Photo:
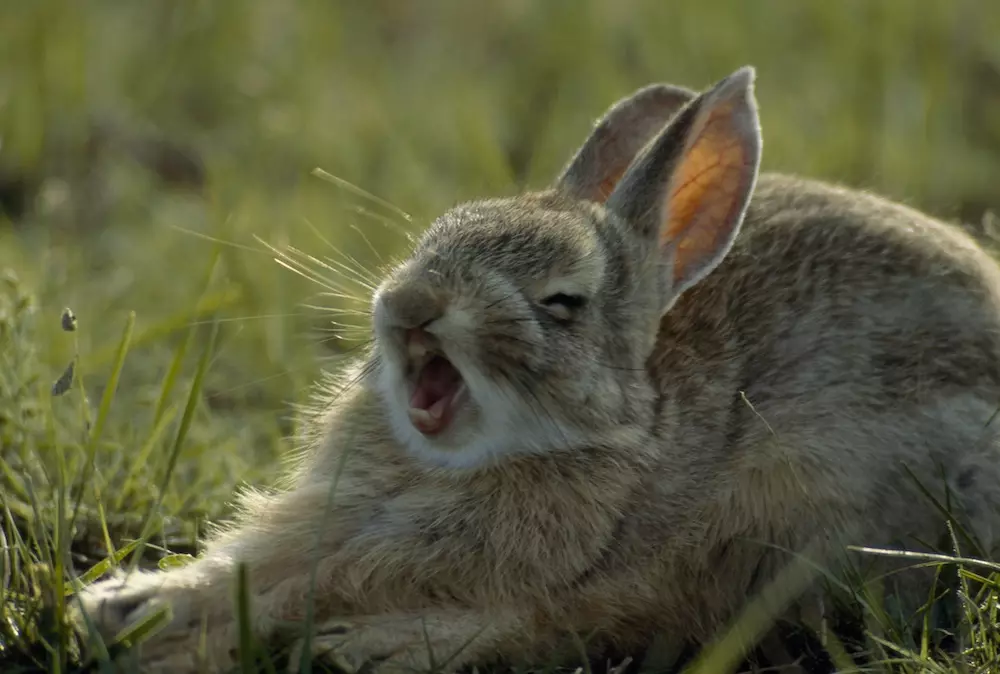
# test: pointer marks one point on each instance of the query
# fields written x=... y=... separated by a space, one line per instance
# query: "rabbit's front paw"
x=185 y=643
x=114 y=604
x=192 y=600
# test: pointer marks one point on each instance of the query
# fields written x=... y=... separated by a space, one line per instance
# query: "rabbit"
x=615 y=408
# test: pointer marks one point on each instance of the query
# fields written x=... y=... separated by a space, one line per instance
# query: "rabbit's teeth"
x=437 y=409
x=438 y=416
x=421 y=419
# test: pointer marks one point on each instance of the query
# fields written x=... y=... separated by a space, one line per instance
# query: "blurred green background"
x=138 y=140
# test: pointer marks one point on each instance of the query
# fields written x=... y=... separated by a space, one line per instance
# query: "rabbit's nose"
x=407 y=307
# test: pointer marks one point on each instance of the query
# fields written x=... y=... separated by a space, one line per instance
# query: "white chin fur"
x=504 y=427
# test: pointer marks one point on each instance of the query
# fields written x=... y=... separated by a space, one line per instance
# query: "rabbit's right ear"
x=618 y=137
x=688 y=191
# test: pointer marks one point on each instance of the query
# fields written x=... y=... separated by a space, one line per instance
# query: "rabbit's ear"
x=690 y=188
x=618 y=137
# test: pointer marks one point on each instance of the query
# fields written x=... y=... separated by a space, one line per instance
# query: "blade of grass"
x=185 y=425
x=945 y=510
x=929 y=557
x=61 y=552
x=135 y=634
x=207 y=306
x=13 y=481
x=140 y=461
x=102 y=413
x=102 y=567
x=170 y=380
x=756 y=619
x=102 y=518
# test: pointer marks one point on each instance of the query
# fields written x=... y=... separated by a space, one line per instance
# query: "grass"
x=192 y=346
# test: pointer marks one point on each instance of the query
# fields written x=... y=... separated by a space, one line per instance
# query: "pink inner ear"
x=708 y=191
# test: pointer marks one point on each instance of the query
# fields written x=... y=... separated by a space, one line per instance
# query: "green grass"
x=193 y=346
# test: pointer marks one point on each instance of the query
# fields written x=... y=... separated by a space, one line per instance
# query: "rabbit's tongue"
x=432 y=402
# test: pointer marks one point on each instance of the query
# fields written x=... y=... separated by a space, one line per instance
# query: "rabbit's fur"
x=657 y=413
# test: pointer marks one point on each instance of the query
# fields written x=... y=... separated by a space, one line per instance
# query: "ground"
x=151 y=154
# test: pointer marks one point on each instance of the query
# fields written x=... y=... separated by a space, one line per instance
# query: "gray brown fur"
x=635 y=489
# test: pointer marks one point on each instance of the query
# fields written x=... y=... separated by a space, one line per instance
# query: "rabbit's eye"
x=563 y=306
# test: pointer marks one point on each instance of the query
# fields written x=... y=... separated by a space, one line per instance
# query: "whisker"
x=338 y=295
x=345 y=326
x=214 y=239
x=326 y=337
x=296 y=266
x=375 y=252
x=363 y=278
x=334 y=311
x=354 y=348
x=385 y=222
x=345 y=273
x=255 y=382
x=342 y=342
x=263 y=380
x=366 y=371
x=304 y=273
x=234 y=319
x=351 y=187
x=310 y=339
x=358 y=269
x=358 y=275
x=332 y=291
x=318 y=234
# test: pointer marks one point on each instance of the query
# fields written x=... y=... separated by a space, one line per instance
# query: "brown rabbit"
x=614 y=408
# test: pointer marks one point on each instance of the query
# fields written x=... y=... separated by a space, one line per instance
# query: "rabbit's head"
x=523 y=325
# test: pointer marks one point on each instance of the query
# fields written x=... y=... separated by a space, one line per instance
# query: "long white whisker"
x=309 y=274
x=336 y=312
x=357 y=229
x=333 y=292
x=214 y=239
x=352 y=265
x=344 y=270
x=292 y=251
x=235 y=319
x=385 y=222
x=351 y=187
x=355 y=268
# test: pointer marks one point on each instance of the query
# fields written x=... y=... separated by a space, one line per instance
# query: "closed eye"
x=563 y=306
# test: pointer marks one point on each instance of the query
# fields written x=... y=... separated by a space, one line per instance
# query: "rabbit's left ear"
x=595 y=169
x=689 y=190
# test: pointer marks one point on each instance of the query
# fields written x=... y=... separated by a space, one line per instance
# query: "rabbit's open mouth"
x=437 y=392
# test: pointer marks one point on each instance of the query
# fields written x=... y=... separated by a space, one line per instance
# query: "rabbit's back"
x=845 y=346
x=834 y=288
x=847 y=289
